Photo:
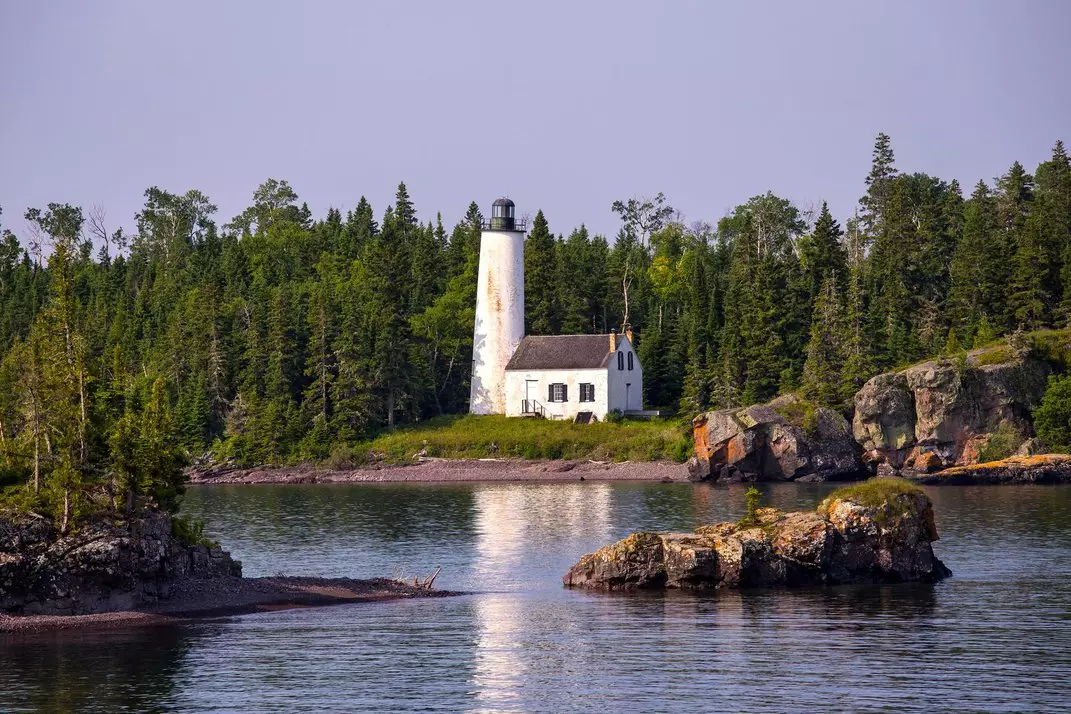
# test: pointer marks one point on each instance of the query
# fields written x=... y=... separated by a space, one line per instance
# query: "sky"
x=563 y=106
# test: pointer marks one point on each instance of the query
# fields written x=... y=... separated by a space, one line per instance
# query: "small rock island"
x=878 y=531
x=149 y=568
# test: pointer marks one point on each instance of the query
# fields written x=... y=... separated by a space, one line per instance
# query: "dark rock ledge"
x=137 y=571
x=867 y=534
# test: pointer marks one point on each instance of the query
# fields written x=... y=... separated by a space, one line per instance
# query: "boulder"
x=939 y=414
x=785 y=440
x=105 y=566
x=849 y=539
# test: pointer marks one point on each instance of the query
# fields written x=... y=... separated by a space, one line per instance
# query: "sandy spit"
x=449 y=470
x=220 y=597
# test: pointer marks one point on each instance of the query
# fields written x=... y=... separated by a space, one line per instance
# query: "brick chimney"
x=613 y=340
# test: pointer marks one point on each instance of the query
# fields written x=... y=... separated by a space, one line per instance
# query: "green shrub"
x=753 y=502
x=615 y=416
x=1002 y=443
x=342 y=457
x=192 y=531
x=1052 y=418
x=682 y=450
x=802 y=414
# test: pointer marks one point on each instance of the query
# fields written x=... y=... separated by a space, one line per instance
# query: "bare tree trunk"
x=3 y=444
x=83 y=448
x=36 y=461
x=625 y=282
x=390 y=408
x=36 y=444
x=66 y=509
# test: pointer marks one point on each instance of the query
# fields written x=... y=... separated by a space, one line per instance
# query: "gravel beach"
x=450 y=470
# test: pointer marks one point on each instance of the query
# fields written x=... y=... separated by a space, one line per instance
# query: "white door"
x=531 y=391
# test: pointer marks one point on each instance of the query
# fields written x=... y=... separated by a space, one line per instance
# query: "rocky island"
x=879 y=531
x=148 y=569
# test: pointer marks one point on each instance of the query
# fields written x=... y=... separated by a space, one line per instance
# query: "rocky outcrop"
x=845 y=541
x=1043 y=468
x=785 y=440
x=939 y=414
x=103 y=567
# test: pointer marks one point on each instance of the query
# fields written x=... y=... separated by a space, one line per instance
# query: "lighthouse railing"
x=495 y=224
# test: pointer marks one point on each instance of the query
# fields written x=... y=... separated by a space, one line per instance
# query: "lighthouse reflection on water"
x=512 y=523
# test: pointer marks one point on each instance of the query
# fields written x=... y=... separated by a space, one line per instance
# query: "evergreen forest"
x=278 y=335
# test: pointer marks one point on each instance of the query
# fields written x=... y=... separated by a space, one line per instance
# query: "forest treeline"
x=276 y=335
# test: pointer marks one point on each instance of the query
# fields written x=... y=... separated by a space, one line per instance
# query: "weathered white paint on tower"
x=499 y=317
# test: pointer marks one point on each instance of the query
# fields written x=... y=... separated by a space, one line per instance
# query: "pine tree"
x=875 y=203
x=1050 y=219
x=823 y=373
x=540 y=287
x=823 y=253
x=973 y=278
x=1014 y=196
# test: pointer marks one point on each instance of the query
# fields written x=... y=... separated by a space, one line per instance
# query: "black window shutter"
x=565 y=392
x=550 y=392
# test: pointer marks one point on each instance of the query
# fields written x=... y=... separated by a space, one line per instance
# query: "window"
x=620 y=361
x=587 y=392
x=629 y=361
x=557 y=392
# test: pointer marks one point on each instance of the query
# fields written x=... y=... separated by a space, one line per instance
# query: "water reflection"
x=106 y=671
x=514 y=524
x=995 y=637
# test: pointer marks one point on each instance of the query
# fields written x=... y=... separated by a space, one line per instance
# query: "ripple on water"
x=995 y=637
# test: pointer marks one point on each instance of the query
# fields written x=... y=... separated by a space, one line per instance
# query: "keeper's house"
x=563 y=376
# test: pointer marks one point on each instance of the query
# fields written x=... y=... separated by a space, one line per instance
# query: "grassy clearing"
x=872 y=492
x=475 y=437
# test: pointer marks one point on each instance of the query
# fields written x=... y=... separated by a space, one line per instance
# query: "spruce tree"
x=823 y=373
x=540 y=287
x=823 y=253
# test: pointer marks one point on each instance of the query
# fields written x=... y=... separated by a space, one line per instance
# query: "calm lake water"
x=995 y=637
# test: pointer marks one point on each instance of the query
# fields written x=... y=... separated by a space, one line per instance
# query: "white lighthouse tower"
x=499 y=308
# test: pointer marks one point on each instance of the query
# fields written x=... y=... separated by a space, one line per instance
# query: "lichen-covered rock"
x=770 y=442
x=844 y=541
x=939 y=413
x=1038 y=468
x=102 y=567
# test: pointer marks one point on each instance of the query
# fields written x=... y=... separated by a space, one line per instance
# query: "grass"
x=997 y=355
x=800 y=413
x=474 y=437
x=872 y=492
x=1053 y=346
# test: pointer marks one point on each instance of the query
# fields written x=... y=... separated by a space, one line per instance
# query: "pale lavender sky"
x=565 y=106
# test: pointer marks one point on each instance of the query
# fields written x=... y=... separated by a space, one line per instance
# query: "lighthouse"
x=499 y=324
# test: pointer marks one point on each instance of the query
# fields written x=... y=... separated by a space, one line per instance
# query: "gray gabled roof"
x=562 y=352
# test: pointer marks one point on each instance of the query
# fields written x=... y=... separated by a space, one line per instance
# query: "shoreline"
x=197 y=599
x=450 y=471
x=1041 y=469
